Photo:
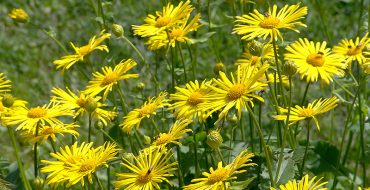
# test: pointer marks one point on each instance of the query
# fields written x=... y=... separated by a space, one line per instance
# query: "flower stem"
x=97 y=180
x=109 y=137
x=306 y=149
x=182 y=61
x=278 y=70
x=89 y=135
x=35 y=156
x=52 y=145
x=108 y=177
x=221 y=157
x=122 y=99
x=362 y=126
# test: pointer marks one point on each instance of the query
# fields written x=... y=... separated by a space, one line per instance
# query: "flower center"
x=110 y=78
x=255 y=59
x=162 y=139
x=37 y=112
x=194 y=98
x=308 y=112
x=84 y=50
x=162 y=21
x=236 y=92
x=81 y=102
x=47 y=131
x=175 y=33
x=354 y=50
x=146 y=110
x=269 y=22
x=220 y=174
x=316 y=59
x=87 y=165
x=144 y=176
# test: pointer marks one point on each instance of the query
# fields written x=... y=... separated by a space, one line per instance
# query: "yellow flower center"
x=110 y=78
x=146 y=110
x=316 y=59
x=354 y=50
x=255 y=59
x=88 y=165
x=308 y=112
x=37 y=112
x=195 y=98
x=47 y=131
x=220 y=174
x=175 y=33
x=144 y=177
x=162 y=21
x=269 y=22
x=84 y=50
x=163 y=139
x=80 y=102
x=236 y=92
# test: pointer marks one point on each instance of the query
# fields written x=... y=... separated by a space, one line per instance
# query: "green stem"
x=241 y=127
x=108 y=177
x=180 y=177
x=359 y=18
x=122 y=99
x=278 y=69
x=26 y=184
x=133 y=149
x=325 y=29
x=155 y=125
x=97 y=180
x=362 y=127
x=100 y=6
x=182 y=61
x=221 y=157
x=306 y=149
x=35 y=155
x=251 y=130
x=197 y=170
x=52 y=145
x=110 y=138
x=138 y=139
x=89 y=135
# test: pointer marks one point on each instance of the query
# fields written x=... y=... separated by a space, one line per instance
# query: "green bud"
x=289 y=69
x=117 y=30
x=219 y=67
x=128 y=156
x=8 y=100
x=90 y=105
x=99 y=125
x=140 y=86
x=147 y=140
x=38 y=183
x=233 y=119
x=214 y=139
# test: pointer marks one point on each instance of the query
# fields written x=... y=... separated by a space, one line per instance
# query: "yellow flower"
x=19 y=15
x=359 y=188
x=29 y=118
x=150 y=168
x=271 y=79
x=221 y=177
x=236 y=92
x=104 y=82
x=46 y=132
x=267 y=25
x=169 y=16
x=314 y=60
x=5 y=109
x=76 y=163
x=149 y=108
x=4 y=84
x=80 y=52
x=176 y=132
x=304 y=184
x=313 y=109
x=187 y=100
x=353 y=49
x=176 y=33
x=255 y=53
x=79 y=104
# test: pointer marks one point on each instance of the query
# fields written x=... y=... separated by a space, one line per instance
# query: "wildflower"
x=269 y=24
x=104 y=82
x=353 y=49
x=29 y=118
x=304 y=184
x=313 y=109
x=4 y=84
x=214 y=139
x=117 y=30
x=176 y=132
x=150 y=168
x=78 y=103
x=49 y=132
x=271 y=79
x=149 y=108
x=236 y=92
x=314 y=60
x=255 y=53
x=76 y=163
x=169 y=16
x=6 y=108
x=221 y=177
x=19 y=15
x=187 y=100
x=80 y=52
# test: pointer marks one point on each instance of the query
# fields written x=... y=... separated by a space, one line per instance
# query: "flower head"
x=255 y=53
x=176 y=132
x=353 y=49
x=313 y=109
x=76 y=163
x=19 y=15
x=269 y=24
x=50 y=132
x=4 y=84
x=150 y=168
x=304 y=184
x=315 y=60
x=106 y=80
x=80 y=52
x=149 y=108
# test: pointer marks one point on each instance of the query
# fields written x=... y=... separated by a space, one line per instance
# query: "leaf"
x=203 y=38
x=200 y=136
x=240 y=185
x=288 y=172
x=328 y=156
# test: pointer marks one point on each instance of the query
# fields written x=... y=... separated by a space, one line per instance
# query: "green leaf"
x=239 y=185
x=288 y=172
x=200 y=136
x=203 y=38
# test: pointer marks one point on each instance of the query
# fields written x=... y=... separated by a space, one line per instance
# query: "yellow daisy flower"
x=7 y=104
x=255 y=53
x=267 y=25
x=46 y=132
x=80 y=52
x=314 y=60
x=76 y=163
x=110 y=77
x=4 y=84
x=149 y=108
x=177 y=33
x=271 y=79
x=299 y=113
x=29 y=118
x=19 y=15
x=353 y=49
x=176 y=132
x=187 y=100
x=169 y=16
x=236 y=92
x=150 y=168
x=79 y=104
x=304 y=184
x=221 y=177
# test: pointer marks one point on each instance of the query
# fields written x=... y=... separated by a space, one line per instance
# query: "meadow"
x=191 y=94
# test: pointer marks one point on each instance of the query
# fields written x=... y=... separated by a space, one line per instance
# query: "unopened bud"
x=38 y=183
x=117 y=30
x=233 y=119
x=289 y=68
x=90 y=105
x=8 y=100
x=214 y=139
x=128 y=156
x=219 y=67
x=140 y=86
x=99 y=125
x=255 y=48
x=147 y=140
x=19 y=15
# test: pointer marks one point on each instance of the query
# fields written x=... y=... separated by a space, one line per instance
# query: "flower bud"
x=140 y=86
x=117 y=30
x=128 y=156
x=233 y=119
x=19 y=15
x=90 y=105
x=99 y=125
x=147 y=140
x=255 y=48
x=219 y=67
x=289 y=69
x=214 y=139
x=38 y=183
x=8 y=100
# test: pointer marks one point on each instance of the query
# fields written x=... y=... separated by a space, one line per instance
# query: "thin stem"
x=35 y=155
x=180 y=177
x=306 y=149
x=359 y=18
x=89 y=135
x=325 y=29
x=122 y=99
x=182 y=61
x=251 y=129
x=52 y=145
x=362 y=127
x=109 y=137
x=241 y=127
x=278 y=69
x=136 y=133
x=100 y=6
x=108 y=177
x=97 y=180
x=221 y=157
x=133 y=149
